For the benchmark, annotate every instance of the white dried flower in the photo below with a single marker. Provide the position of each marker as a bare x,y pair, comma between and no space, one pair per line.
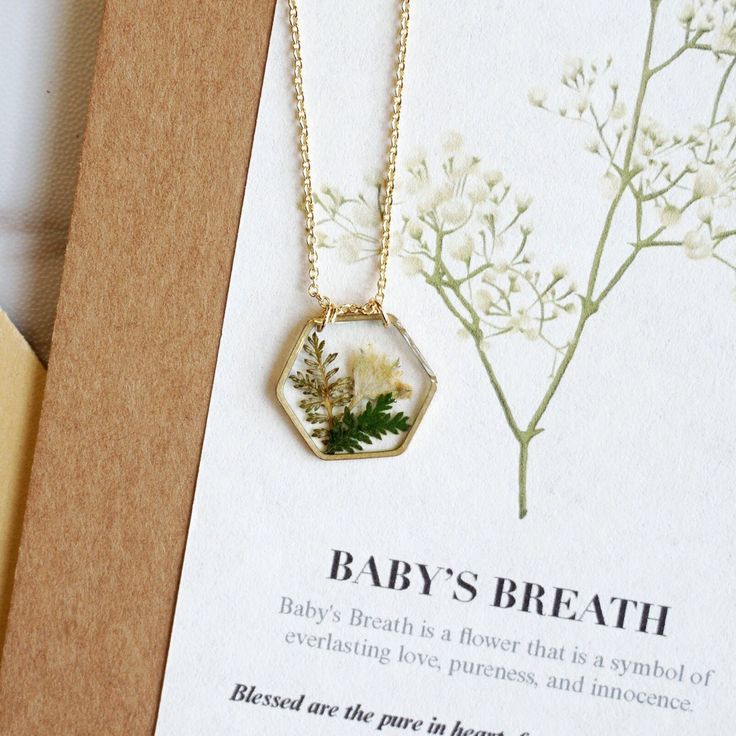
559,271
376,374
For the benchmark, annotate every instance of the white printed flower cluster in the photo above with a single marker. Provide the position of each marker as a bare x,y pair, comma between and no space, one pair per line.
468,238
683,183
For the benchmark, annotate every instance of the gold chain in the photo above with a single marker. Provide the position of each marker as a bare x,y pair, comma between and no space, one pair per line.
330,309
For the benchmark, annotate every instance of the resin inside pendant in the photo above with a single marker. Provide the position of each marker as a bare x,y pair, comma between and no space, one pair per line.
357,388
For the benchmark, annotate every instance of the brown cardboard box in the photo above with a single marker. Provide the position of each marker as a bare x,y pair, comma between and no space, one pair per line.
170,125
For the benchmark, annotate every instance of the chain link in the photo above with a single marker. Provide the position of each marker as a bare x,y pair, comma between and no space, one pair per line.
330,309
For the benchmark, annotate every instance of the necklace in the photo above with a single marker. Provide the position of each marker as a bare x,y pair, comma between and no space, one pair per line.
355,384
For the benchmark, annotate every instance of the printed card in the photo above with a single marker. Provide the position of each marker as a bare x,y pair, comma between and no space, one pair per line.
543,545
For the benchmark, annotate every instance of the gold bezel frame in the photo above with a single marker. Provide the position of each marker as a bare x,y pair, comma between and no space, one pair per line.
296,421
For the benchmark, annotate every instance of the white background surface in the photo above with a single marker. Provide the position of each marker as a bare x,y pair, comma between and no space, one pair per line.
630,485
47,52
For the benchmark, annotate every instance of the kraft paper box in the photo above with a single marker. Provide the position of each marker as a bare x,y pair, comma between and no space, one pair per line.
164,165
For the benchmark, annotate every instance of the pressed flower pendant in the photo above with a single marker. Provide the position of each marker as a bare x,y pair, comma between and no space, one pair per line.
356,388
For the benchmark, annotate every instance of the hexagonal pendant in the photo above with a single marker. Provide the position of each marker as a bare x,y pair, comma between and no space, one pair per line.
358,388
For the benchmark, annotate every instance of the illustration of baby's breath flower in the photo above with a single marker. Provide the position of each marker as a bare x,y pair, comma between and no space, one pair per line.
725,38
537,96
697,245
618,111
484,300
320,238
573,67
365,216
687,13
669,215
652,175
582,104
463,164
707,183
489,276
492,177
452,142
705,212
433,197
416,158
412,265
464,251
454,212
704,22
348,248
609,184
397,243
520,321
373,179
477,191
414,229
526,227
523,202
375,374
